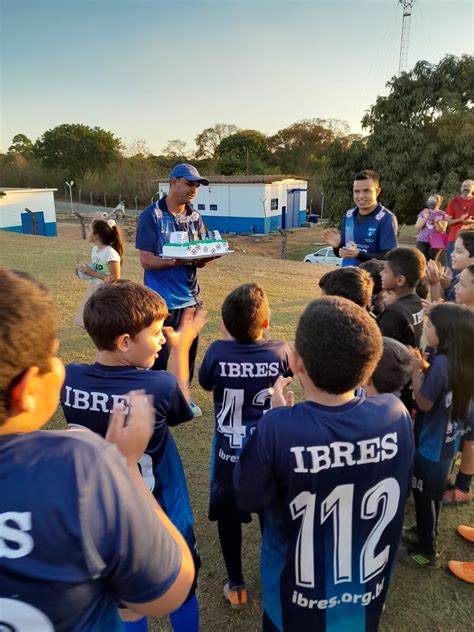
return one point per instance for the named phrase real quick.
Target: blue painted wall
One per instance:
(50, 229)
(247, 224)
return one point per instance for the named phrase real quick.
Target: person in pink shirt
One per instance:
(431, 225)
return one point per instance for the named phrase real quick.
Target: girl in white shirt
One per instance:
(106, 258)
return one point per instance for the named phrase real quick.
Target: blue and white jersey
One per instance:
(90, 392)
(75, 536)
(332, 482)
(437, 435)
(178, 286)
(239, 376)
(372, 233)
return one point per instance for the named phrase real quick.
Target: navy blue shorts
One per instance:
(429, 477)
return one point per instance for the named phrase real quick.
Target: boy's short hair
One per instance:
(374, 267)
(121, 307)
(423, 288)
(339, 343)
(367, 174)
(27, 331)
(351, 283)
(409, 262)
(467, 237)
(394, 369)
(244, 311)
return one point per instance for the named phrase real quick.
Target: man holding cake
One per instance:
(174, 279)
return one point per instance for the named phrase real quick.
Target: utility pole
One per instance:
(407, 6)
(69, 186)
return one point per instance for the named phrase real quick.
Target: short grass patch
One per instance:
(421, 600)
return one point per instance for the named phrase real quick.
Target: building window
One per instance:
(213, 207)
(274, 204)
(201, 207)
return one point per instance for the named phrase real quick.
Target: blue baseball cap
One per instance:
(184, 170)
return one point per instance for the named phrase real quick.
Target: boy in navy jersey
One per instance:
(125, 321)
(240, 371)
(369, 230)
(79, 530)
(331, 474)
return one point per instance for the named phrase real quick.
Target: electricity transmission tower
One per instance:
(407, 6)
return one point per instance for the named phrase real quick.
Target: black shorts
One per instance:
(223, 505)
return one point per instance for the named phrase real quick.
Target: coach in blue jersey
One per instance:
(331, 474)
(174, 279)
(368, 230)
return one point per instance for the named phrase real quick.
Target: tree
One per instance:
(298, 148)
(21, 146)
(77, 148)
(137, 147)
(208, 140)
(422, 133)
(176, 149)
(243, 152)
(341, 163)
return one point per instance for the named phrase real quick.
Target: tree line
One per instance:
(419, 138)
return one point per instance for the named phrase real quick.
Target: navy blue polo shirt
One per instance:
(177, 286)
(371, 233)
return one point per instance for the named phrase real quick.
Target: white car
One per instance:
(324, 255)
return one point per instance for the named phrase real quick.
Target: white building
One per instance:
(14, 218)
(246, 204)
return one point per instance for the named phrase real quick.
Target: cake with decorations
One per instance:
(184, 244)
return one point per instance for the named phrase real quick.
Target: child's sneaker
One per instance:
(197, 412)
(462, 570)
(466, 532)
(416, 558)
(235, 595)
(456, 496)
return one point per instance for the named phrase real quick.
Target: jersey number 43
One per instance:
(229, 419)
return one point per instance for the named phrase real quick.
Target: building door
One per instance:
(296, 208)
(289, 210)
(283, 217)
(27, 223)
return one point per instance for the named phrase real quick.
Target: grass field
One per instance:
(432, 601)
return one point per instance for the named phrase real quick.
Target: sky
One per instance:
(161, 70)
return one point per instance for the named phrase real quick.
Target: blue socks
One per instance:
(186, 617)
